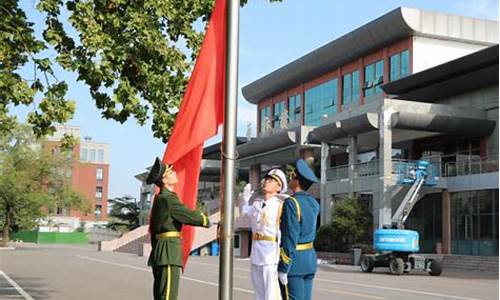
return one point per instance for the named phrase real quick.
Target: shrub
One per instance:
(352, 225)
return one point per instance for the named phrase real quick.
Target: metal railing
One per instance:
(402, 168)
(470, 166)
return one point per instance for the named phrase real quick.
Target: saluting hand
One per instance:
(246, 193)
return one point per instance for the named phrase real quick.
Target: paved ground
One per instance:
(80, 272)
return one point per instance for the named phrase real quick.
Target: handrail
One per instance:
(437, 167)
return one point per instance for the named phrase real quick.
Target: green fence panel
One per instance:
(62, 238)
(72, 238)
(50, 237)
(25, 236)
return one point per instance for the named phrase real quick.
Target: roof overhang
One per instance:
(275, 148)
(471, 72)
(406, 115)
(393, 26)
(343, 128)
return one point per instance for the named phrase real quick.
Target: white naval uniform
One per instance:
(264, 255)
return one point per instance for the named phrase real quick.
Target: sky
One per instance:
(271, 35)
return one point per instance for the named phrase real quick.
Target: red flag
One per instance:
(200, 114)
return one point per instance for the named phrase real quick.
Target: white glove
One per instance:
(283, 278)
(246, 193)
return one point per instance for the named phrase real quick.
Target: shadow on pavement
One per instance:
(31, 285)
(449, 273)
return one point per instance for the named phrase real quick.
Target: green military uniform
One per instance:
(168, 215)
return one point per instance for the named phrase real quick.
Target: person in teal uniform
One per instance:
(168, 215)
(298, 262)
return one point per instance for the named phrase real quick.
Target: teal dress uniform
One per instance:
(168, 215)
(298, 231)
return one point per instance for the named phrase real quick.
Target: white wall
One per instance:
(429, 52)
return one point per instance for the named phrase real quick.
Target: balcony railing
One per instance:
(405, 168)
(470, 166)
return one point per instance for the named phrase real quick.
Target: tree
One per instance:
(135, 57)
(352, 222)
(18, 46)
(33, 181)
(124, 214)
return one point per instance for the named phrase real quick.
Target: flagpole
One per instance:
(229, 152)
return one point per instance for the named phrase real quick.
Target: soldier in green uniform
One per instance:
(168, 215)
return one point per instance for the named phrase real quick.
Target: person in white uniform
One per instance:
(264, 213)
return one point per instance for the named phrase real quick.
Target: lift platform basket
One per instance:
(395, 240)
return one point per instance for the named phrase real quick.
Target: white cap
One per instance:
(280, 177)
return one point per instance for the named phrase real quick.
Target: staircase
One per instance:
(127, 239)
(472, 263)
(138, 240)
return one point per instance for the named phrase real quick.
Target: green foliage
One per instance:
(33, 181)
(135, 56)
(326, 239)
(352, 224)
(124, 214)
(18, 46)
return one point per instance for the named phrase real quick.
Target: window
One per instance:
(98, 210)
(98, 192)
(319, 102)
(92, 155)
(83, 154)
(474, 215)
(294, 110)
(399, 65)
(100, 155)
(265, 114)
(374, 77)
(279, 107)
(99, 174)
(236, 241)
(350, 91)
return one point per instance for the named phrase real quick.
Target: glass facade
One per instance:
(279, 107)
(294, 109)
(426, 219)
(399, 65)
(350, 91)
(265, 115)
(374, 77)
(320, 101)
(474, 222)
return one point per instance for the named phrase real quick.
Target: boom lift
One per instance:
(396, 247)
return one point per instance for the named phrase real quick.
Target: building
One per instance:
(89, 175)
(410, 85)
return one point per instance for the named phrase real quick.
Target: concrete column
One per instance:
(324, 198)
(254, 175)
(382, 201)
(446, 221)
(353, 159)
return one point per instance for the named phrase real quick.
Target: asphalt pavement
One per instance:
(81, 272)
